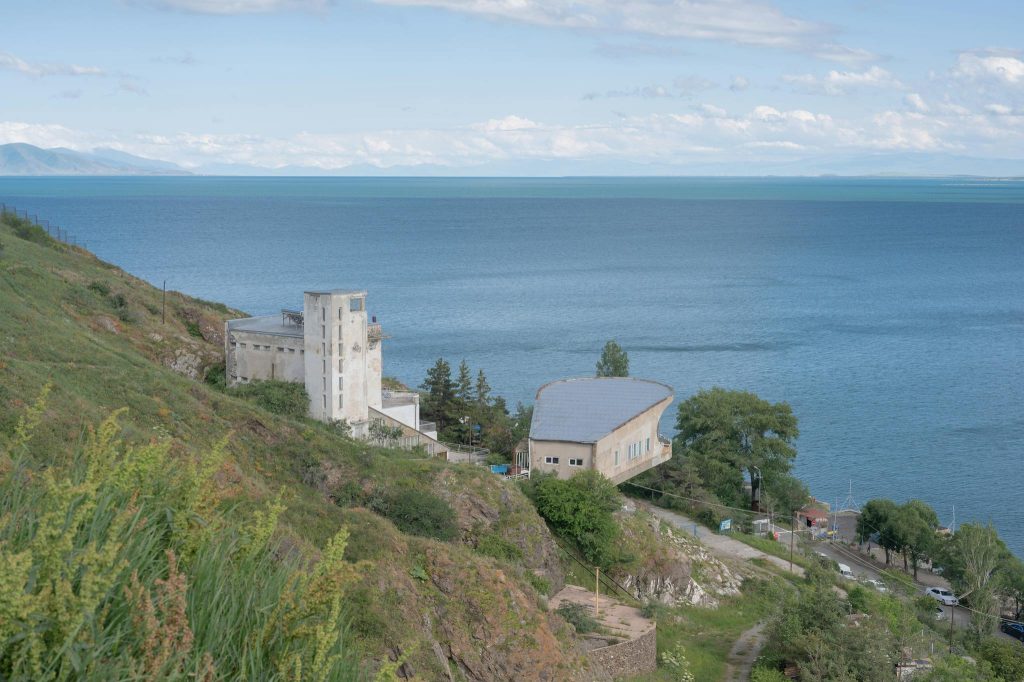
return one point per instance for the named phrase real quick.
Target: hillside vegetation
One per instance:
(444, 567)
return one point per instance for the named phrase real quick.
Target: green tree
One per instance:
(729, 433)
(972, 559)
(464, 384)
(439, 399)
(614, 361)
(1011, 583)
(918, 523)
(483, 389)
(877, 517)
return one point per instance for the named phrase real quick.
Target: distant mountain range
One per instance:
(26, 159)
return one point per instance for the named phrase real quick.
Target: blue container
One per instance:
(499, 468)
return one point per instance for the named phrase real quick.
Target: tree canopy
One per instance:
(614, 361)
(729, 433)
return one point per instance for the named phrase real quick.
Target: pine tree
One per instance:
(483, 389)
(464, 386)
(614, 361)
(438, 403)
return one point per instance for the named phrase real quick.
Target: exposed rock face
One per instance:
(186, 363)
(211, 329)
(486, 505)
(450, 614)
(671, 568)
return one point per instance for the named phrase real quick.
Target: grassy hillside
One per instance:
(455, 599)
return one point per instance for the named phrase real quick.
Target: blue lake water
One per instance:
(889, 313)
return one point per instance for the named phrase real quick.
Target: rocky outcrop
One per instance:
(669, 567)
(449, 614)
(489, 508)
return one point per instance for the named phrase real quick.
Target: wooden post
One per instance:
(952, 615)
(597, 591)
(163, 305)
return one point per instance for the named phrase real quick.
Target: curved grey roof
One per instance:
(585, 410)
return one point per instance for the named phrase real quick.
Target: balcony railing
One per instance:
(428, 427)
(374, 332)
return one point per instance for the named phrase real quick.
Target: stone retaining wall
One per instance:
(635, 657)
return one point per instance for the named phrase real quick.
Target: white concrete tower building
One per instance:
(339, 362)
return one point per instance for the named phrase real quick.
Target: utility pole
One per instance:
(952, 615)
(792, 536)
(163, 305)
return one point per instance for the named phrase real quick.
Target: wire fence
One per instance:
(55, 231)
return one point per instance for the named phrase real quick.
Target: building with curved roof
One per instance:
(609, 424)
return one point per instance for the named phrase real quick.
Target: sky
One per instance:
(477, 87)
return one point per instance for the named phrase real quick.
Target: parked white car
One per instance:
(845, 571)
(942, 595)
(877, 584)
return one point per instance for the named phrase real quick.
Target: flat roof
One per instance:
(340, 292)
(587, 409)
(269, 324)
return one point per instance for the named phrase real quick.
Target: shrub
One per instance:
(1005, 657)
(26, 229)
(580, 509)
(417, 512)
(578, 616)
(494, 545)
(100, 288)
(761, 674)
(193, 329)
(285, 398)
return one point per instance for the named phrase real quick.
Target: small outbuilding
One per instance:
(608, 424)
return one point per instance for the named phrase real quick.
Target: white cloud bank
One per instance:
(842, 82)
(697, 134)
(992, 65)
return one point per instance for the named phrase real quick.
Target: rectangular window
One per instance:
(575, 462)
(340, 352)
(325, 403)
(341, 402)
(233, 344)
(339, 364)
(340, 311)
(323, 314)
(291, 350)
(323, 349)
(355, 305)
(551, 460)
(323, 331)
(325, 384)
(302, 352)
(341, 383)
(648, 445)
(280, 349)
(324, 362)
(616, 458)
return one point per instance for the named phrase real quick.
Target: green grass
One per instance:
(706, 635)
(773, 547)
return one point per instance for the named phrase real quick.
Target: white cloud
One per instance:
(739, 84)
(744, 22)
(841, 82)
(238, 6)
(39, 70)
(916, 102)
(990, 65)
(999, 109)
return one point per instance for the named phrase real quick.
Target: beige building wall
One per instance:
(564, 452)
(638, 436)
(252, 356)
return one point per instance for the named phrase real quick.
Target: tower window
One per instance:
(355, 305)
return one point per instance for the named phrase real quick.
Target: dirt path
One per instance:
(743, 654)
(719, 544)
